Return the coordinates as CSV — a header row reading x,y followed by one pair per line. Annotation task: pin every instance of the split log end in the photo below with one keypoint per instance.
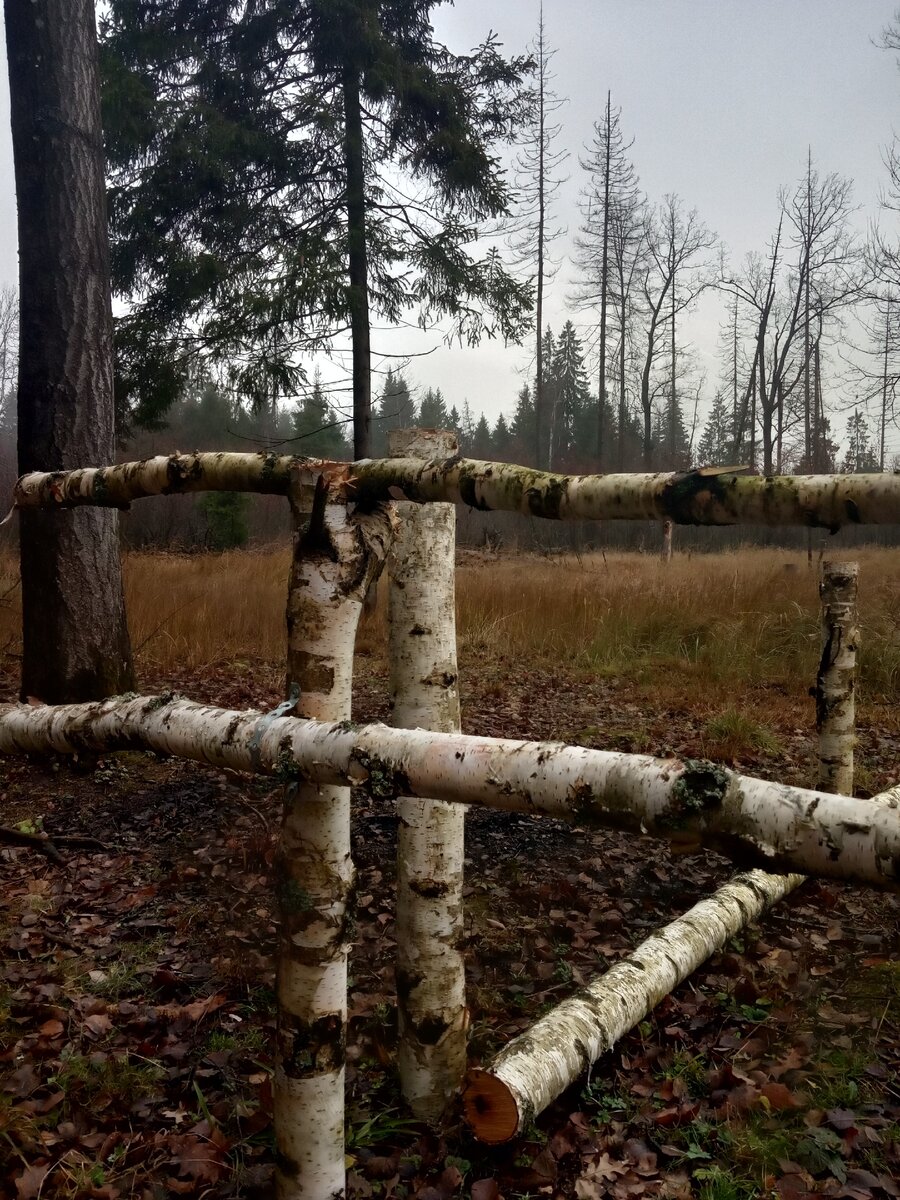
x,y
490,1108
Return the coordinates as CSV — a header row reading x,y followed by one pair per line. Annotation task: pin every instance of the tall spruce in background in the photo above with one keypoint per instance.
x,y
261,157
75,639
609,204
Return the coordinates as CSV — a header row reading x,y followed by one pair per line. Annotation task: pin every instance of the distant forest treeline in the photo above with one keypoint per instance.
x,y
205,418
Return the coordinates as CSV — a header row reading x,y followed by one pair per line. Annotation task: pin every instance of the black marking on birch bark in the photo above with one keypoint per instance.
x,y
285,1165
308,1048
547,501
181,472
161,701
419,631
469,494
315,672
700,788
101,489
406,983
853,827
430,1030
439,678
233,725
286,770
292,898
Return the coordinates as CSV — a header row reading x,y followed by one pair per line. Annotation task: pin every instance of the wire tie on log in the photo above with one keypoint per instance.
x,y
281,710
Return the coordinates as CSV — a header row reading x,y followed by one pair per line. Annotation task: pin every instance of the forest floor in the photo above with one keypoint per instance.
x,y
136,1004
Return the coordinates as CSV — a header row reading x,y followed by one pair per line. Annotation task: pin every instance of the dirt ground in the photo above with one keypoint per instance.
x,y
136,1008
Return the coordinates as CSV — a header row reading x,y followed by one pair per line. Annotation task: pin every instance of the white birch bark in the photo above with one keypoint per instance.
x,y
835,681
164,475
431,996
690,803
532,1070
335,558
703,497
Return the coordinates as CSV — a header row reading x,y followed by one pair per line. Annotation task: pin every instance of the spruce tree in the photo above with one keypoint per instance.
x,y
262,156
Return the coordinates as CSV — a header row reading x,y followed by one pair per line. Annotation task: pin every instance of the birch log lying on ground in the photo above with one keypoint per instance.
x,y
705,497
691,802
535,1068
530,1072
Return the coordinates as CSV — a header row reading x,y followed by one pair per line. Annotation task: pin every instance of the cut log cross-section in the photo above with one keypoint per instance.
x,y
430,845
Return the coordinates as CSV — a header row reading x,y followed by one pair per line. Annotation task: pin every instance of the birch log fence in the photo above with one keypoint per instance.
x,y
346,518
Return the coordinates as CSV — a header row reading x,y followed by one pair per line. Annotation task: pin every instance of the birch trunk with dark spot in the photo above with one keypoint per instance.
x,y
75,638
707,496
335,558
689,802
835,680
431,984
530,1072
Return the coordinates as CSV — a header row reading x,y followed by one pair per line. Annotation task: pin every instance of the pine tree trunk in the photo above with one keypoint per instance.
x,y
335,558
431,982
357,260
75,637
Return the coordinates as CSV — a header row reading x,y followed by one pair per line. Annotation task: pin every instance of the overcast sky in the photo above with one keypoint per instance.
x,y
722,98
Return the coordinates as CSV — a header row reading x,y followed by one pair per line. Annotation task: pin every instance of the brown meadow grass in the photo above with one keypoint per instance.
x,y
746,617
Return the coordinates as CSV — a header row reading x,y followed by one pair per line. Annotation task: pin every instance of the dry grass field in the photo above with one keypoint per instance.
x,y
709,621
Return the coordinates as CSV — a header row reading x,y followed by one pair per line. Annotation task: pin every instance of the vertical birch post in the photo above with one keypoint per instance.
x,y
835,679
666,552
424,694
335,558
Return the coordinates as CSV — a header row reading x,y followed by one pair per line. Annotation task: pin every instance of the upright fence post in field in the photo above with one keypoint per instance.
x,y
425,695
533,1069
835,679
335,557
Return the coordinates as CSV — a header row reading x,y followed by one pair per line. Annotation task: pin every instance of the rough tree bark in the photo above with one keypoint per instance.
x,y
533,1069
691,803
75,639
336,556
431,985
708,496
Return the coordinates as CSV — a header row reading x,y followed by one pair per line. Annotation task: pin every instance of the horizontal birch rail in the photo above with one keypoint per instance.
x,y
709,496
693,803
